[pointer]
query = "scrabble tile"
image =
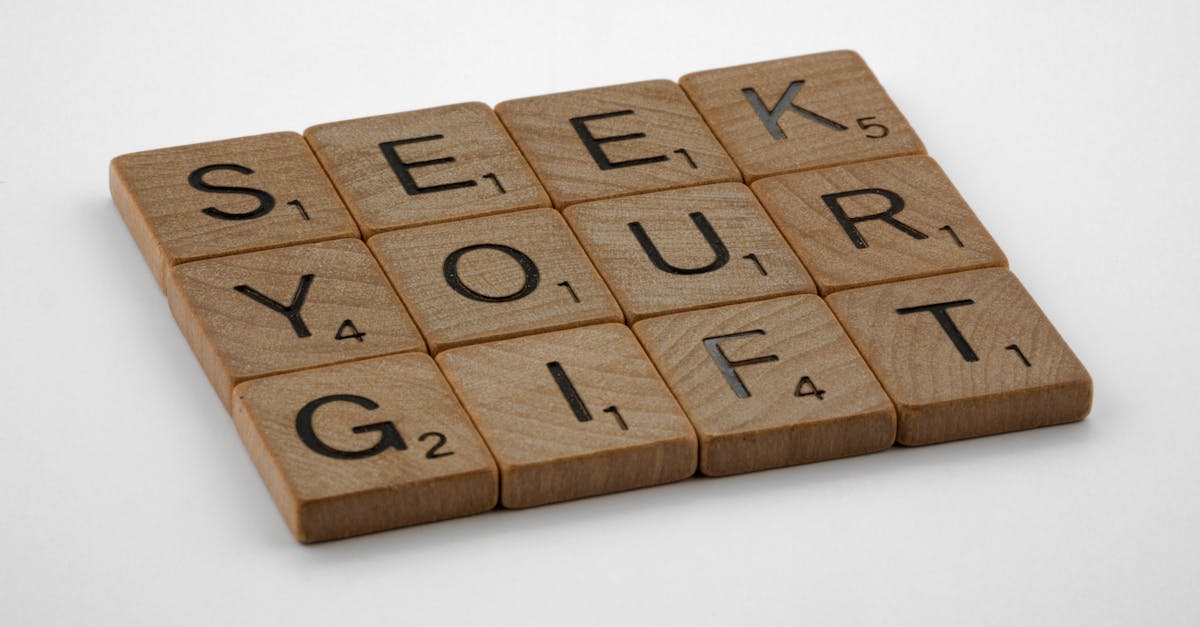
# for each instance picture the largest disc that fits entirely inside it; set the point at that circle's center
(201, 201)
(427, 166)
(769, 383)
(964, 355)
(274, 311)
(572, 413)
(687, 248)
(494, 277)
(877, 221)
(218, 198)
(365, 446)
(614, 141)
(799, 113)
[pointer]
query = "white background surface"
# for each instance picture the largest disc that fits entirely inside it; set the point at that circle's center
(1072, 129)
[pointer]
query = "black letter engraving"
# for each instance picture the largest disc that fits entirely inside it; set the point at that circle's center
(571, 290)
(729, 368)
(953, 235)
(686, 155)
(291, 311)
(296, 204)
(720, 253)
(389, 437)
(758, 264)
(943, 317)
(884, 132)
(1017, 349)
(266, 202)
(806, 387)
(578, 407)
(348, 331)
(770, 117)
(433, 453)
(593, 143)
(833, 201)
(401, 168)
(530, 269)
(495, 180)
(612, 409)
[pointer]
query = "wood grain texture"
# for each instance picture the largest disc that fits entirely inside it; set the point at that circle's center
(458, 159)
(829, 122)
(166, 214)
(414, 458)
(921, 225)
(635, 434)
(770, 383)
(237, 337)
(989, 362)
(639, 130)
(746, 258)
(514, 285)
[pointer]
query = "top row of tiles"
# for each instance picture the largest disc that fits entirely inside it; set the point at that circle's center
(446, 163)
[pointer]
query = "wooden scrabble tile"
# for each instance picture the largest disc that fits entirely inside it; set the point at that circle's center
(687, 248)
(769, 383)
(274, 311)
(572, 413)
(365, 446)
(877, 221)
(614, 141)
(426, 166)
(799, 113)
(494, 277)
(219, 198)
(964, 355)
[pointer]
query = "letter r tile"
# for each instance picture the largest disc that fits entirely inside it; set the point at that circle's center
(877, 221)
(964, 355)
(364, 446)
(274, 311)
(614, 141)
(801, 113)
(421, 167)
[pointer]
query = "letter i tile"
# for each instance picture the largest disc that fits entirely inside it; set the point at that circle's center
(964, 355)
(573, 413)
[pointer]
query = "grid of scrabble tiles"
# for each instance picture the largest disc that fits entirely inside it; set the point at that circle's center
(423, 315)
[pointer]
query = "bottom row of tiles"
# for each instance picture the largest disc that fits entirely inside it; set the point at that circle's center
(399, 440)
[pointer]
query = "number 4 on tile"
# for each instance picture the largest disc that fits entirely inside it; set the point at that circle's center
(806, 387)
(348, 331)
